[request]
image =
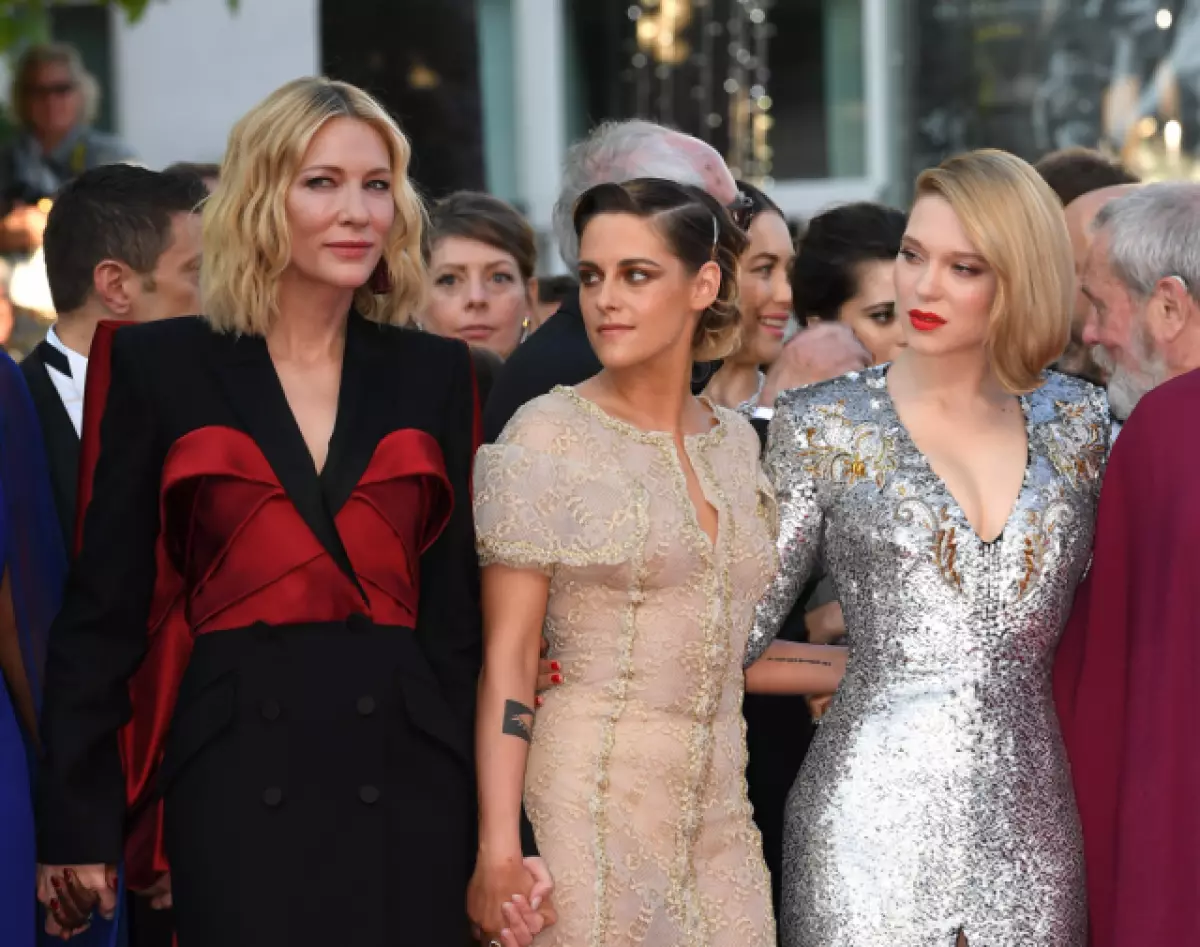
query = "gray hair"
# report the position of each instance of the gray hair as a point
(1154, 234)
(615, 152)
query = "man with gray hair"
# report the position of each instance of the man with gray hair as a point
(1128, 665)
(559, 353)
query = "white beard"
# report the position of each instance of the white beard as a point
(1126, 386)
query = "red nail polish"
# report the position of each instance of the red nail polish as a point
(57, 884)
(555, 678)
(54, 905)
(555, 666)
(537, 702)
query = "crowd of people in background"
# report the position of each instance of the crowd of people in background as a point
(735, 588)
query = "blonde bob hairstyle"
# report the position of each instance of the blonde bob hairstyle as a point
(1017, 225)
(247, 245)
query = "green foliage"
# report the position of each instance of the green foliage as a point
(26, 21)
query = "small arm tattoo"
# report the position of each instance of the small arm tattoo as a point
(515, 723)
(826, 664)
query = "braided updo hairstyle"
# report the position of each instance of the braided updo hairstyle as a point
(697, 230)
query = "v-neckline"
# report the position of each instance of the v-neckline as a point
(258, 398)
(1027, 417)
(666, 439)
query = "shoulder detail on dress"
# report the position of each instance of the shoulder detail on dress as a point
(854, 391)
(542, 422)
(1071, 417)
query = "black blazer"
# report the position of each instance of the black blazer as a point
(238, 727)
(559, 353)
(62, 443)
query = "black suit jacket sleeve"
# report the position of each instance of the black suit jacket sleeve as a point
(99, 637)
(449, 623)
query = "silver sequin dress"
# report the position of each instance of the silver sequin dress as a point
(936, 796)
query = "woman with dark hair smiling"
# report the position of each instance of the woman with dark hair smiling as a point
(764, 300)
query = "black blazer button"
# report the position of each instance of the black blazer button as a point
(366, 706)
(273, 796)
(270, 709)
(369, 795)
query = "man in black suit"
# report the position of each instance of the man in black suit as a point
(121, 242)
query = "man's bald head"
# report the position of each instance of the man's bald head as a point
(1081, 214)
(622, 151)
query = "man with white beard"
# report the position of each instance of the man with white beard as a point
(1128, 666)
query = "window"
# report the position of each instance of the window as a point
(778, 87)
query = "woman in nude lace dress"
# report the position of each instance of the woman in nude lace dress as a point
(631, 522)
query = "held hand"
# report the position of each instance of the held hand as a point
(73, 893)
(826, 350)
(497, 879)
(159, 893)
(549, 673)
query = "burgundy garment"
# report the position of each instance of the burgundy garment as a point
(1127, 682)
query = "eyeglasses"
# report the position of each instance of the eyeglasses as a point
(741, 209)
(52, 89)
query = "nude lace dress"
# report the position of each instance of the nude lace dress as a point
(635, 783)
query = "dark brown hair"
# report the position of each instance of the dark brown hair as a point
(1073, 172)
(697, 229)
(475, 216)
(834, 246)
(115, 212)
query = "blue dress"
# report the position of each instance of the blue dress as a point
(32, 558)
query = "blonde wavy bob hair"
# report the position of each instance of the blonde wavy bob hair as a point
(247, 244)
(1017, 225)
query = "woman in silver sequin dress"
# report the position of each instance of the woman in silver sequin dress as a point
(952, 495)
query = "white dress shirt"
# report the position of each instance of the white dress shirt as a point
(70, 389)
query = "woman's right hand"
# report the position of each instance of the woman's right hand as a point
(497, 877)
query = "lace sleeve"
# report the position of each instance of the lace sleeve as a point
(800, 518)
(534, 510)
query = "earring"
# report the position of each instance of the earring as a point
(380, 283)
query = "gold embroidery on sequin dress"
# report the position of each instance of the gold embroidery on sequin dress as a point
(636, 777)
(936, 796)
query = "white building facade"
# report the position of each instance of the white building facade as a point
(183, 74)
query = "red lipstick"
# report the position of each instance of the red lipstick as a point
(925, 321)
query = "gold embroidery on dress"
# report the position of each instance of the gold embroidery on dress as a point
(847, 451)
(943, 536)
(1043, 530)
(635, 784)
(1076, 445)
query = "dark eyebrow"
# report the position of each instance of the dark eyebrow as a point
(638, 261)
(766, 255)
